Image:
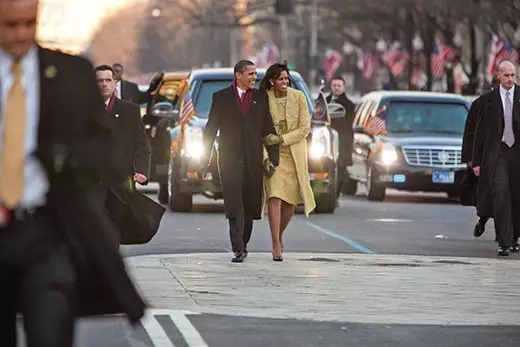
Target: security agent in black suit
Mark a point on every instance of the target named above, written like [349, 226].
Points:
[496, 158]
[57, 255]
[129, 91]
[343, 126]
[467, 150]
[131, 151]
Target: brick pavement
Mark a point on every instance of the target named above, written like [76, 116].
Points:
[336, 287]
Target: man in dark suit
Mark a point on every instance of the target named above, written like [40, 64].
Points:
[131, 155]
[496, 158]
[57, 255]
[132, 150]
[343, 126]
[241, 114]
[467, 151]
[126, 90]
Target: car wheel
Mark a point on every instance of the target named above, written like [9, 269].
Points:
[376, 191]
[326, 203]
[162, 194]
[179, 202]
[350, 185]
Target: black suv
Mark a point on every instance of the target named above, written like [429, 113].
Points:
[182, 180]
[417, 147]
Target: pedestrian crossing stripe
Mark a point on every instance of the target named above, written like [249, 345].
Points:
[158, 335]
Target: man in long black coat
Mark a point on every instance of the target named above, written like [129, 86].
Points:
[131, 164]
[496, 158]
[467, 153]
[343, 126]
[241, 114]
[58, 258]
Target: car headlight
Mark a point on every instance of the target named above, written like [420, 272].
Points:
[193, 143]
[320, 143]
[388, 154]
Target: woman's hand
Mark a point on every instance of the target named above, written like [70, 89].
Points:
[269, 168]
[271, 140]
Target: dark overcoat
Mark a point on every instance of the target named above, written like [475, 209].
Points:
[488, 139]
[240, 150]
[74, 148]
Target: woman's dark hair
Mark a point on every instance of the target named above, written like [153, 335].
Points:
[273, 72]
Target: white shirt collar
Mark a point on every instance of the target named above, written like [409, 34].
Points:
[240, 91]
[6, 62]
[511, 91]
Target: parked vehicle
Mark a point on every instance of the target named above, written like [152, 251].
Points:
[182, 181]
[419, 149]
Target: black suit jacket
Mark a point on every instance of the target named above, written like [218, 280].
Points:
[131, 151]
[240, 151]
[74, 148]
[469, 131]
[488, 139]
[344, 128]
[130, 92]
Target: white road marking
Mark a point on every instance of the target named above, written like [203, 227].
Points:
[159, 337]
[155, 331]
[188, 331]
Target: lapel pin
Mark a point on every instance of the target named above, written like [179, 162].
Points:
[117, 115]
[50, 71]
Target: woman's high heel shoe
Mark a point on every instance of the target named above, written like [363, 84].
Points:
[277, 258]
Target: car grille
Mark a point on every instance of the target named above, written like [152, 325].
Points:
[445, 157]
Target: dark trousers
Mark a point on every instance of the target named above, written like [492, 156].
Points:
[505, 199]
[342, 173]
[241, 226]
[37, 279]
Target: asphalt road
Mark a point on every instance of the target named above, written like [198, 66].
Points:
[412, 224]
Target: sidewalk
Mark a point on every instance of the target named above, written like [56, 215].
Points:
[336, 287]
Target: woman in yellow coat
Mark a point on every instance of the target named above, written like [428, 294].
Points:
[290, 183]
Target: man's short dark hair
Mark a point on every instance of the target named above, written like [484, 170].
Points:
[104, 68]
[242, 65]
[338, 78]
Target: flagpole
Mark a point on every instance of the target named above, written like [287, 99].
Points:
[313, 49]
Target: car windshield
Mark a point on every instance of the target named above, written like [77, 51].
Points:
[426, 117]
[208, 87]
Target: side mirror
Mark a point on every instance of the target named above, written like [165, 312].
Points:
[165, 110]
[336, 111]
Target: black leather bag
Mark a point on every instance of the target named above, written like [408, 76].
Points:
[468, 189]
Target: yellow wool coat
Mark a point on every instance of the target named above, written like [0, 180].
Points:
[298, 128]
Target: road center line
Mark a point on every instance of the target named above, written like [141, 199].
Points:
[345, 239]
[188, 331]
[155, 331]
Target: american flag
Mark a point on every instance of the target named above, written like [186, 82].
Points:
[267, 56]
[437, 60]
[187, 108]
[332, 62]
[396, 59]
[376, 124]
[440, 56]
[499, 52]
[367, 63]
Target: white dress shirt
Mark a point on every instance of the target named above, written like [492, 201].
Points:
[36, 184]
[118, 89]
[503, 96]
[240, 92]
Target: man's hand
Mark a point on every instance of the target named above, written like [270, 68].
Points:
[156, 83]
[476, 171]
[140, 178]
[269, 168]
[272, 139]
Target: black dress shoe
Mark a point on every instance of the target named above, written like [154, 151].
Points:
[246, 253]
[515, 248]
[239, 257]
[503, 251]
[479, 229]
[277, 258]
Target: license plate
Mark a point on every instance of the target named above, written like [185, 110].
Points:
[446, 177]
